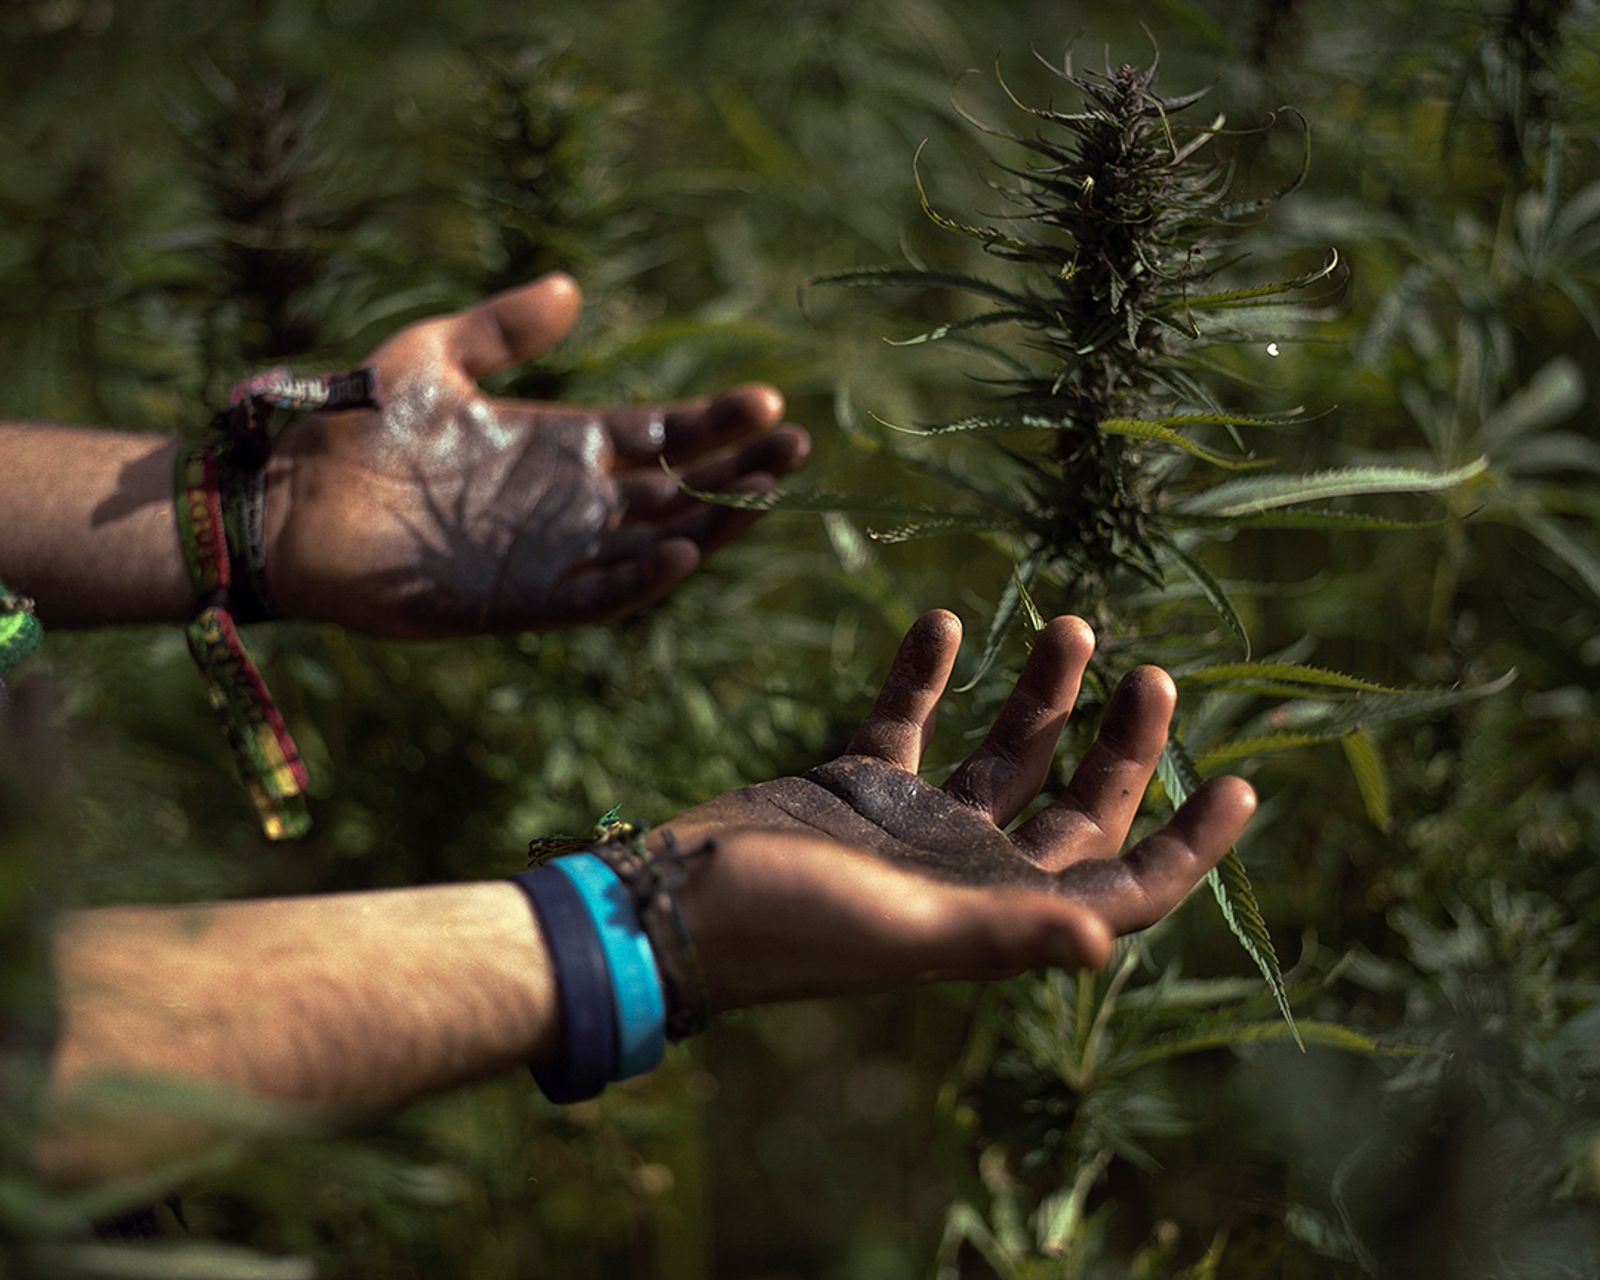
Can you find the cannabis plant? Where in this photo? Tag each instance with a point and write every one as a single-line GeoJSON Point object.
{"type": "Point", "coordinates": [1117, 243]}
{"type": "Point", "coordinates": [1111, 460]}
{"type": "Point", "coordinates": [1483, 297]}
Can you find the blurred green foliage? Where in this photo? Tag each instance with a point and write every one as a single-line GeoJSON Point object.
{"type": "Point", "coordinates": [187, 192]}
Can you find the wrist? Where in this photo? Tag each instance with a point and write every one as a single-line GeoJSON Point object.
{"type": "Point", "coordinates": [283, 550]}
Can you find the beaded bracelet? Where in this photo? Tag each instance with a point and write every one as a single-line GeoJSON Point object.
{"type": "Point", "coordinates": [221, 518]}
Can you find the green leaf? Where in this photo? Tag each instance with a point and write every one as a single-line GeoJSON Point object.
{"type": "Point", "coordinates": [1576, 554]}
{"type": "Point", "coordinates": [1235, 210]}
{"type": "Point", "coordinates": [988, 235]}
{"type": "Point", "coordinates": [1260, 744]}
{"type": "Point", "coordinates": [1137, 428]}
{"type": "Point", "coordinates": [1320, 1232]}
{"type": "Point", "coordinates": [1029, 609]}
{"type": "Point", "coordinates": [990, 424]}
{"type": "Point", "coordinates": [1554, 451]}
{"type": "Point", "coordinates": [938, 526]}
{"type": "Point", "coordinates": [1557, 500]}
{"type": "Point", "coordinates": [768, 151]}
{"type": "Point", "coordinates": [1230, 419]}
{"type": "Point", "coordinates": [1366, 710]}
{"type": "Point", "coordinates": [1003, 316]}
{"type": "Point", "coordinates": [1363, 711]}
{"type": "Point", "coordinates": [1005, 615]}
{"type": "Point", "coordinates": [919, 278]}
{"type": "Point", "coordinates": [1327, 1034]}
{"type": "Point", "coordinates": [1150, 429]}
{"type": "Point", "coordinates": [1351, 521]}
{"type": "Point", "coordinates": [1214, 593]}
{"type": "Point", "coordinates": [817, 501]}
{"type": "Point", "coordinates": [1252, 294]}
{"type": "Point", "coordinates": [1262, 493]}
{"type": "Point", "coordinates": [1230, 884]}
{"type": "Point", "coordinates": [1552, 395]}
{"type": "Point", "coordinates": [1228, 673]}
{"type": "Point", "coordinates": [989, 495]}
{"type": "Point", "coordinates": [1366, 763]}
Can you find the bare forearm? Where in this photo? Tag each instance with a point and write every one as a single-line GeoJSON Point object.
{"type": "Point", "coordinates": [341, 1006]}
{"type": "Point", "coordinates": [86, 525]}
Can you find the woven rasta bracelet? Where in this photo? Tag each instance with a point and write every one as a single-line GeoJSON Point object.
{"type": "Point", "coordinates": [221, 518]}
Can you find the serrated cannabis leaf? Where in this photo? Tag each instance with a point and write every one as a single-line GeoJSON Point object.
{"type": "Point", "coordinates": [987, 235]}
{"type": "Point", "coordinates": [1325, 1034]}
{"type": "Point", "coordinates": [1229, 673]}
{"type": "Point", "coordinates": [1362, 711]}
{"type": "Point", "coordinates": [1258, 294]}
{"type": "Point", "coordinates": [1005, 615]}
{"type": "Point", "coordinates": [1214, 594]}
{"type": "Point", "coordinates": [938, 526]}
{"type": "Point", "coordinates": [1353, 521]}
{"type": "Point", "coordinates": [1153, 430]}
{"type": "Point", "coordinates": [1007, 315]}
{"type": "Point", "coordinates": [816, 501]}
{"type": "Point", "coordinates": [1366, 763]}
{"type": "Point", "coordinates": [918, 278]}
{"type": "Point", "coordinates": [1230, 884]}
{"type": "Point", "coordinates": [1262, 493]}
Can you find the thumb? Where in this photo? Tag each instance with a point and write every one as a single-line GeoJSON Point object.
{"type": "Point", "coordinates": [514, 326]}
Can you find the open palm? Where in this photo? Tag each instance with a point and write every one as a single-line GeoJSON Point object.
{"type": "Point", "coordinates": [954, 839]}
{"type": "Point", "coordinates": [448, 511]}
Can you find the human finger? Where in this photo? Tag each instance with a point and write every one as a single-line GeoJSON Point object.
{"type": "Point", "coordinates": [513, 326]}
{"type": "Point", "coordinates": [1138, 889]}
{"type": "Point", "coordinates": [1092, 817]}
{"type": "Point", "coordinates": [597, 593]}
{"type": "Point", "coordinates": [686, 431]}
{"type": "Point", "coordinates": [1002, 775]}
{"type": "Point", "coordinates": [897, 728]}
{"type": "Point", "coordinates": [709, 525]}
{"type": "Point", "coordinates": [649, 493]}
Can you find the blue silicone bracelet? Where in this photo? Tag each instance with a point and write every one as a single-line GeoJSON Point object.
{"type": "Point", "coordinates": [635, 980]}
{"type": "Point", "coordinates": [588, 1057]}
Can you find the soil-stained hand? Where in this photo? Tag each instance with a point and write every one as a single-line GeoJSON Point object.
{"type": "Point", "coordinates": [948, 891]}
{"type": "Point", "coordinates": [450, 512]}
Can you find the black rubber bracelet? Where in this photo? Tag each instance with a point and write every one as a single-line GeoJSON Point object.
{"type": "Point", "coordinates": [588, 1056]}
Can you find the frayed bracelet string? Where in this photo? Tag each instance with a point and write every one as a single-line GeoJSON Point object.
{"type": "Point", "coordinates": [650, 879]}
{"type": "Point", "coordinates": [221, 518]}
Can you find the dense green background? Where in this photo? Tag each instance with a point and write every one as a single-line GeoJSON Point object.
{"type": "Point", "coordinates": [190, 190]}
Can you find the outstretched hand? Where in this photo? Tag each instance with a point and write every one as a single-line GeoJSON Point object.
{"type": "Point", "coordinates": [451, 512]}
{"type": "Point", "coordinates": [880, 878]}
